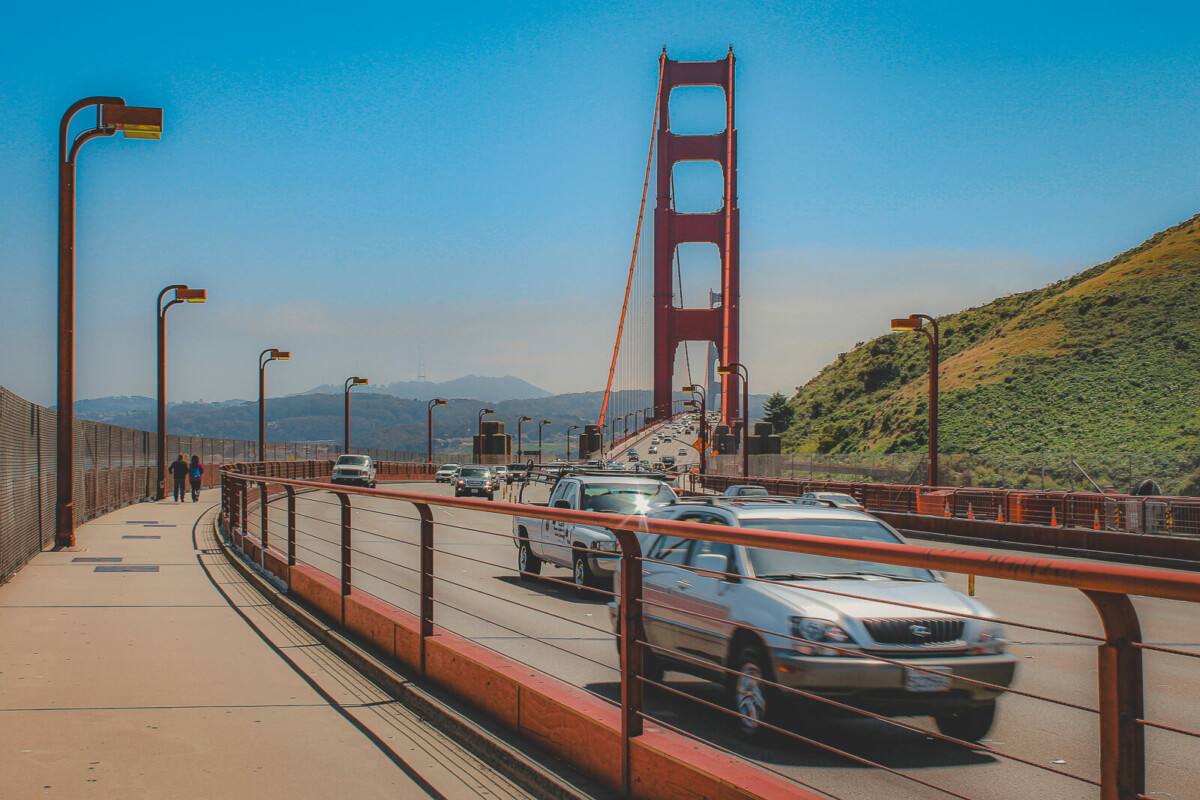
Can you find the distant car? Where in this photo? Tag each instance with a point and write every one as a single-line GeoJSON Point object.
{"type": "Point", "coordinates": [633, 454]}
{"type": "Point", "coordinates": [354, 470]}
{"type": "Point", "coordinates": [446, 473]}
{"type": "Point", "coordinates": [745, 490]}
{"type": "Point", "coordinates": [653, 450]}
{"type": "Point", "coordinates": [682, 451]}
{"type": "Point", "coordinates": [476, 479]}
{"type": "Point", "coordinates": [838, 499]}
{"type": "Point", "coordinates": [668, 461]}
{"type": "Point", "coordinates": [503, 474]}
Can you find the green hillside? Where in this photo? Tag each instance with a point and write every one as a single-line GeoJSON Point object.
{"type": "Point", "coordinates": [1104, 361]}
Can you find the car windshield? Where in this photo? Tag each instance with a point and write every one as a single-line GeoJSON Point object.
{"type": "Point", "coordinates": [448, 466]}
{"type": "Point", "coordinates": [751, 491]}
{"type": "Point", "coordinates": [625, 498]}
{"type": "Point", "coordinates": [837, 498]}
{"type": "Point", "coordinates": [474, 472]}
{"type": "Point", "coordinates": [353, 461]}
{"type": "Point", "coordinates": [785, 565]}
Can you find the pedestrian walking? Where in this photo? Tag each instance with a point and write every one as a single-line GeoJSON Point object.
{"type": "Point", "coordinates": [179, 472]}
{"type": "Point", "coordinates": [195, 473]}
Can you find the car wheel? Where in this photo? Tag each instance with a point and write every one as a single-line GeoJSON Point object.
{"type": "Point", "coordinates": [529, 565]}
{"type": "Point", "coordinates": [749, 695]}
{"type": "Point", "coordinates": [581, 572]}
{"type": "Point", "coordinates": [457, 493]}
{"type": "Point", "coordinates": [491, 495]}
{"type": "Point", "coordinates": [969, 724]}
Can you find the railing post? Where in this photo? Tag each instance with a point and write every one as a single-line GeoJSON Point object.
{"type": "Point", "coordinates": [243, 494]}
{"type": "Point", "coordinates": [1119, 673]}
{"type": "Point", "coordinates": [291, 524]}
{"type": "Point", "coordinates": [631, 651]}
{"type": "Point", "coordinates": [346, 548]}
{"type": "Point", "coordinates": [426, 576]}
{"type": "Point", "coordinates": [262, 509]}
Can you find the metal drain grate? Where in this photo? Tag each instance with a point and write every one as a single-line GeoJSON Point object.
{"type": "Point", "coordinates": [142, 536]}
{"type": "Point", "coordinates": [160, 525]}
{"type": "Point", "coordinates": [211, 551]}
{"type": "Point", "coordinates": [129, 568]}
{"type": "Point", "coordinates": [95, 560]}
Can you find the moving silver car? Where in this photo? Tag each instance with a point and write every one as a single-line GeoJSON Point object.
{"type": "Point", "coordinates": [819, 624]}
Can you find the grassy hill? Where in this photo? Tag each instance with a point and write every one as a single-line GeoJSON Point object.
{"type": "Point", "coordinates": [1104, 361]}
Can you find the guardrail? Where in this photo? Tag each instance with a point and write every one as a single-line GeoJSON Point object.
{"type": "Point", "coordinates": [1159, 515]}
{"type": "Point", "coordinates": [368, 563]}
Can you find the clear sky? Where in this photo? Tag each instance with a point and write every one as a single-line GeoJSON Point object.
{"type": "Point", "coordinates": [360, 181]}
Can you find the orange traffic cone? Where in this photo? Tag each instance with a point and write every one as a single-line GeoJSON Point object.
{"type": "Point", "coordinates": [1000, 513]}
{"type": "Point", "coordinates": [1053, 519]}
{"type": "Point", "coordinates": [970, 512]}
{"type": "Point", "coordinates": [1096, 520]}
{"type": "Point", "coordinates": [945, 508]}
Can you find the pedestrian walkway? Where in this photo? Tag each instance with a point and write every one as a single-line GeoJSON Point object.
{"type": "Point", "coordinates": [143, 665]}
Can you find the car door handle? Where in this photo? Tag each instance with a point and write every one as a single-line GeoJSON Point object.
{"type": "Point", "coordinates": [684, 583]}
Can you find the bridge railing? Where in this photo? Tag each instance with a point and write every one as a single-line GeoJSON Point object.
{"type": "Point", "coordinates": [432, 582]}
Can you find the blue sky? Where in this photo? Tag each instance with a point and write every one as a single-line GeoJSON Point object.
{"type": "Point", "coordinates": [359, 181]}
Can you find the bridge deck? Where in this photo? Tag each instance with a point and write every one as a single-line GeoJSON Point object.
{"type": "Point", "coordinates": [177, 679]}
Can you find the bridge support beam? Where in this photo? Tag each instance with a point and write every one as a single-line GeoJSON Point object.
{"type": "Point", "coordinates": [719, 324]}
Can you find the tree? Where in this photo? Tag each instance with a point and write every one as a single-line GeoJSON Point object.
{"type": "Point", "coordinates": [777, 412]}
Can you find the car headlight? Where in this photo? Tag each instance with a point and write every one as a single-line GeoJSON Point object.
{"type": "Point", "coordinates": [991, 640]}
{"type": "Point", "coordinates": [814, 631]}
{"type": "Point", "coordinates": [605, 547]}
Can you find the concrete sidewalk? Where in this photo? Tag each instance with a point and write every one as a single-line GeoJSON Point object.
{"type": "Point", "coordinates": [145, 666]}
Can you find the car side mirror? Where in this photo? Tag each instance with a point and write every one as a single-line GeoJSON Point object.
{"type": "Point", "coordinates": [562, 503]}
{"type": "Point", "coordinates": [714, 565]}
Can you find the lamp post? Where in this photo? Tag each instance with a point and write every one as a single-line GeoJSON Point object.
{"type": "Point", "coordinates": [482, 413]}
{"type": "Point", "coordinates": [572, 428]}
{"type": "Point", "coordinates": [271, 354]}
{"type": "Point", "coordinates": [697, 388]}
{"type": "Point", "coordinates": [350, 384]}
{"type": "Point", "coordinates": [112, 115]}
{"type": "Point", "coordinates": [540, 424]}
{"type": "Point", "coordinates": [625, 425]}
{"type": "Point", "coordinates": [437, 401]}
{"type": "Point", "coordinates": [520, 421]}
{"type": "Point", "coordinates": [740, 370]}
{"type": "Point", "coordinates": [913, 322]}
{"type": "Point", "coordinates": [183, 294]}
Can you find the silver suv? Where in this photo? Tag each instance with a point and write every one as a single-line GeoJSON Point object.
{"type": "Point", "coordinates": [352, 469]}
{"type": "Point", "coordinates": [816, 623]}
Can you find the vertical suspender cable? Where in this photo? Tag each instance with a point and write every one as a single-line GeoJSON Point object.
{"type": "Point", "coordinates": [636, 239]}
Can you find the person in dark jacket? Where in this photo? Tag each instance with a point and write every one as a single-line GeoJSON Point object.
{"type": "Point", "coordinates": [179, 471]}
{"type": "Point", "coordinates": [195, 473]}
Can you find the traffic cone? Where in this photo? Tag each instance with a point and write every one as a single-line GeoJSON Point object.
{"type": "Point", "coordinates": [1000, 513]}
{"type": "Point", "coordinates": [970, 512]}
{"type": "Point", "coordinates": [1170, 519]}
{"type": "Point", "coordinates": [1053, 519]}
{"type": "Point", "coordinates": [1096, 520]}
{"type": "Point", "coordinates": [945, 508]}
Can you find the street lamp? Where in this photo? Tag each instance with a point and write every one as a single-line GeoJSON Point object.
{"type": "Point", "coordinates": [740, 370]}
{"type": "Point", "coordinates": [183, 294]}
{"type": "Point", "coordinates": [437, 401]}
{"type": "Point", "coordinates": [572, 428]}
{"type": "Point", "coordinates": [350, 384]}
{"type": "Point", "coordinates": [913, 322]}
{"type": "Point", "coordinates": [540, 424]}
{"type": "Point", "coordinates": [272, 355]}
{"type": "Point", "coordinates": [520, 421]}
{"type": "Point", "coordinates": [697, 388]}
{"type": "Point", "coordinates": [482, 413]}
{"type": "Point", "coordinates": [112, 115]}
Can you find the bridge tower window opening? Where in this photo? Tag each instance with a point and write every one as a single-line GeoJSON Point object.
{"type": "Point", "coordinates": [697, 110]}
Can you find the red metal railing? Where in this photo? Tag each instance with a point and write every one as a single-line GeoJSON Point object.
{"type": "Point", "coordinates": [363, 534]}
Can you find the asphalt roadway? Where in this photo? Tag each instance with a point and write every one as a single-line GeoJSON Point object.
{"type": "Point", "coordinates": [545, 625]}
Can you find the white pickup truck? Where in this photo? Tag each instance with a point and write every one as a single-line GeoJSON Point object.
{"type": "Point", "coordinates": [588, 551]}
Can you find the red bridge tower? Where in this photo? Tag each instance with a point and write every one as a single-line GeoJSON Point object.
{"type": "Point", "coordinates": [672, 325]}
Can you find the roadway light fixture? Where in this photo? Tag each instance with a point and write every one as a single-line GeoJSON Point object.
{"type": "Point", "coordinates": [520, 421]}
{"type": "Point", "coordinates": [572, 428]}
{"type": "Point", "coordinates": [695, 389]}
{"type": "Point", "coordinates": [134, 122]}
{"type": "Point", "coordinates": [914, 322]}
{"type": "Point", "coordinates": [540, 424]}
{"type": "Point", "coordinates": [740, 370]}
{"type": "Point", "coordinates": [437, 401]}
{"type": "Point", "coordinates": [270, 354]}
{"type": "Point", "coordinates": [483, 412]}
{"type": "Point", "coordinates": [183, 294]}
{"type": "Point", "coordinates": [350, 384]}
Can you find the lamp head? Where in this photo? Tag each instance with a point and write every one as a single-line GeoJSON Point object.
{"type": "Point", "coordinates": [547, 422]}
{"type": "Point", "coordinates": [525, 419]}
{"type": "Point", "coordinates": [726, 370]}
{"type": "Point", "coordinates": [187, 295]}
{"type": "Point", "coordinates": [281, 355]}
{"type": "Point", "coordinates": [360, 381]}
{"type": "Point", "coordinates": [489, 411]}
{"type": "Point", "coordinates": [439, 402]}
{"type": "Point", "coordinates": [906, 324]}
{"type": "Point", "coordinates": [134, 122]}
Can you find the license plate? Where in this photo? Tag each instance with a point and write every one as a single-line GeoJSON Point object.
{"type": "Point", "coordinates": [918, 681]}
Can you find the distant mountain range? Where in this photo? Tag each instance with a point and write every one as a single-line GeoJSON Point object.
{"type": "Point", "coordinates": [479, 387]}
